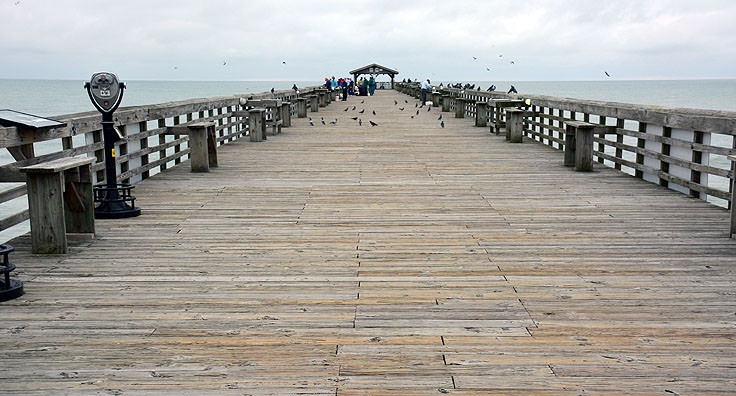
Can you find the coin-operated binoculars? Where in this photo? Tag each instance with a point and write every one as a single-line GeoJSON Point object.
{"type": "Point", "coordinates": [115, 200]}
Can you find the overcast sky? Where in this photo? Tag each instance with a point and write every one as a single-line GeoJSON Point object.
{"type": "Point", "coordinates": [546, 40]}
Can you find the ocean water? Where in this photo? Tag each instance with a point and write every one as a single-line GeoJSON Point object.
{"type": "Point", "coordinates": [51, 98]}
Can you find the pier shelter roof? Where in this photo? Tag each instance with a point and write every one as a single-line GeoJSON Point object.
{"type": "Point", "coordinates": [374, 68]}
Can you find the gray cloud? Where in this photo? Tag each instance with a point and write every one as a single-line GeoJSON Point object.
{"type": "Point", "coordinates": [548, 40]}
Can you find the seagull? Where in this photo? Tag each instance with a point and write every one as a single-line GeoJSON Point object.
{"type": "Point", "coordinates": [372, 123]}
{"type": "Point", "coordinates": [442, 124]}
{"type": "Point", "coordinates": [272, 90]}
{"type": "Point", "coordinates": [323, 120]}
{"type": "Point", "coordinates": [354, 118]}
{"type": "Point", "coordinates": [479, 88]}
{"type": "Point", "coordinates": [417, 112]}
{"type": "Point", "coordinates": [346, 109]}
{"type": "Point", "coordinates": [224, 62]}
{"type": "Point", "coordinates": [311, 122]}
{"type": "Point", "coordinates": [362, 111]}
{"type": "Point", "coordinates": [360, 122]}
{"type": "Point", "coordinates": [439, 118]}
{"type": "Point", "coordinates": [512, 90]}
{"type": "Point", "coordinates": [283, 62]}
{"type": "Point", "coordinates": [512, 62]}
{"type": "Point", "coordinates": [395, 102]}
{"type": "Point", "coordinates": [294, 87]}
{"type": "Point", "coordinates": [362, 101]}
{"type": "Point", "coordinates": [488, 69]}
{"type": "Point", "coordinates": [334, 122]}
{"type": "Point", "coordinates": [416, 105]}
{"type": "Point", "coordinates": [406, 101]}
{"type": "Point", "coordinates": [374, 112]}
{"type": "Point", "coordinates": [176, 67]}
{"type": "Point", "coordinates": [607, 75]}
{"type": "Point", "coordinates": [474, 58]}
{"type": "Point", "coordinates": [440, 85]}
{"type": "Point", "coordinates": [500, 55]}
{"type": "Point", "coordinates": [353, 108]}
{"type": "Point", "coordinates": [412, 116]}
{"type": "Point", "coordinates": [401, 108]}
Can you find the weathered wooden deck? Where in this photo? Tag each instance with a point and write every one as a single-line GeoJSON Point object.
{"type": "Point", "coordinates": [398, 259]}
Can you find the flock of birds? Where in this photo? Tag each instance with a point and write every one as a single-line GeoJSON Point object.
{"type": "Point", "coordinates": [416, 113]}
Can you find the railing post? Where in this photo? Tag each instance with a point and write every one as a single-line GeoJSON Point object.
{"type": "Point", "coordinates": [286, 114]}
{"type": "Point", "coordinates": [257, 125]}
{"type": "Point", "coordinates": [583, 145]}
{"type": "Point", "coordinates": [198, 147]}
{"type": "Point", "coordinates": [435, 99]}
{"type": "Point", "coordinates": [733, 196]}
{"type": "Point", "coordinates": [301, 107]}
{"type": "Point", "coordinates": [514, 124]}
{"type": "Point", "coordinates": [446, 103]}
{"type": "Point", "coordinates": [313, 103]}
{"type": "Point", "coordinates": [569, 145]}
{"type": "Point", "coordinates": [481, 114]}
{"type": "Point", "coordinates": [459, 107]}
{"type": "Point", "coordinates": [323, 98]}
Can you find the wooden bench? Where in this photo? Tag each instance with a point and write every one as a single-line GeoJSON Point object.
{"type": "Point", "coordinates": [60, 201]}
{"type": "Point", "coordinates": [497, 107]}
{"type": "Point", "coordinates": [202, 143]}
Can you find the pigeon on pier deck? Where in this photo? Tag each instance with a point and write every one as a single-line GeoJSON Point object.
{"type": "Point", "coordinates": [311, 122]}
{"type": "Point", "coordinates": [353, 118]}
{"type": "Point", "coordinates": [323, 121]}
{"type": "Point", "coordinates": [442, 124]}
{"type": "Point", "coordinates": [374, 112]}
{"type": "Point", "coordinates": [439, 118]}
{"type": "Point", "coordinates": [360, 122]}
{"type": "Point", "coordinates": [372, 123]}
{"type": "Point", "coordinates": [346, 109]}
{"type": "Point", "coordinates": [362, 111]}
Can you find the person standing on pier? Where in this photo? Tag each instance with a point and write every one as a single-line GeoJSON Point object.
{"type": "Point", "coordinates": [425, 87]}
{"type": "Point", "coordinates": [344, 88]}
{"type": "Point", "coordinates": [372, 85]}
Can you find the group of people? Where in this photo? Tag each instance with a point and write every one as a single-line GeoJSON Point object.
{"type": "Point", "coordinates": [346, 86]}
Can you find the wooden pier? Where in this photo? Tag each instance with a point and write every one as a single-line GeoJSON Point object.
{"type": "Point", "coordinates": [401, 259]}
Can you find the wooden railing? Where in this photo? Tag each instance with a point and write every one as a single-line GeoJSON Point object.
{"type": "Point", "coordinates": [145, 150]}
{"type": "Point", "coordinates": [679, 148]}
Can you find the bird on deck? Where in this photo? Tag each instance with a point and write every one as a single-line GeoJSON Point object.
{"type": "Point", "coordinates": [401, 108]}
{"type": "Point", "coordinates": [416, 105]}
{"type": "Point", "coordinates": [353, 109]}
{"type": "Point", "coordinates": [362, 111]}
{"type": "Point", "coordinates": [439, 118]}
{"type": "Point", "coordinates": [429, 108]}
{"type": "Point", "coordinates": [372, 123]}
{"type": "Point", "coordinates": [311, 122]}
{"type": "Point", "coordinates": [417, 112]}
{"type": "Point", "coordinates": [512, 90]}
{"type": "Point", "coordinates": [374, 112]}
{"type": "Point", "coordinates": [334, 122]}
{"type": "Point", "coordinates": [273, 90]}
{"type": "Point", "coordinates": [441, 85]}
{"type": "Point", "coordinates": [346, 109]}
{"type": "Point", "coordinates": [412, 117]}
{"type": "Point", "coordinates": [395, 102]}
{"type": "Point", "coordinates": [491, 88]}
{"type": "Point", "coordinates": [360, 122]}
{"type": "Point", "coordinates": [294, 87]}
{"type": "Point", "coordinates": [353, 118]}
{"type": "Point", "coordinates": [406, 101]}
{"type": "Point", "coordinates": [442, 124]}
{"type": "Point", "coordinates": [323, 120]}
{"type": "Point", "coordinates": [362, 101]}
